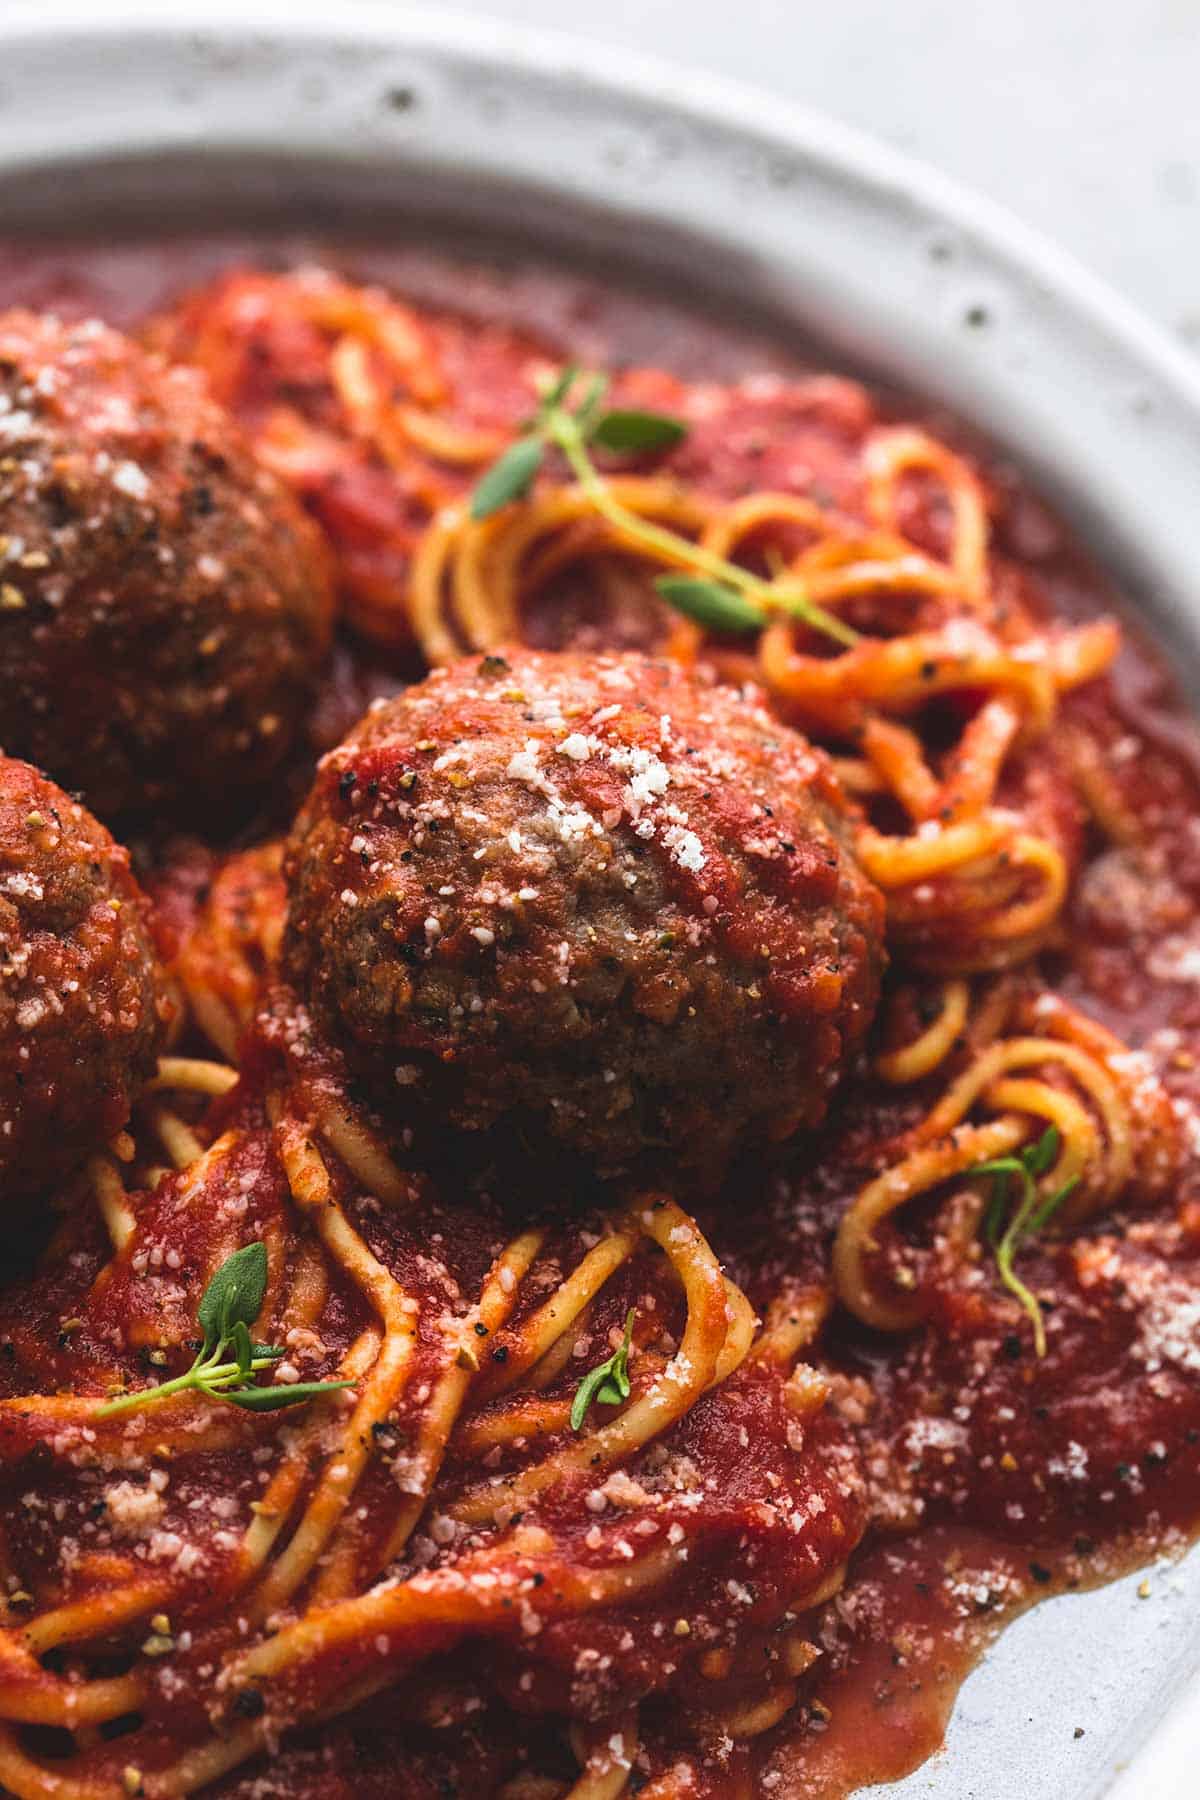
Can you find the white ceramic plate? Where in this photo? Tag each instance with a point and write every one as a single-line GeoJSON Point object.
{"type": "Point", "coordinates": [240, 109]}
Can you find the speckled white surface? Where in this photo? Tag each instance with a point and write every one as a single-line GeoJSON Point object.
{"type": "Point", "coordinates": [883, 261]}
{"type": "Point", "coordinates": [1081, 116]}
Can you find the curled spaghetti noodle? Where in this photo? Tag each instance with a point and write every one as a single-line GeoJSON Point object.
{"type": "Point", "coordinates": [327, 1525]}
{"type": "Point", "coordinates": [974, 844]}
{"type": "Point", "coordinates": [1113, 1123]}
{"type": "Point", "coordinates": [977, 877]}
{"type": "Point", "coordinates": [231, 1575]}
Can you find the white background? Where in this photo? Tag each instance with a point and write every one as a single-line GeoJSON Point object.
{"type": "Point", "coordinates": [1083, 116]}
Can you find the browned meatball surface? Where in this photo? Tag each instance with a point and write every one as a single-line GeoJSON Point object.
{"type": "Point", "coordinates": [591, 891]}
{"type": "Point", "coordinates": [164, 604]}
{"type": "Point", "coordinates": [80, 1008]}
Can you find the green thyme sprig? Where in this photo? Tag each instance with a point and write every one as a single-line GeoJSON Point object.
{"type": "Point", "coordinates": [1015, 1216]}
{"type": "Point", "coordinates": [228, 1360]}
{"type": "Point", "coordinates": [716, 593]}
{"type": "Point", "coordinates": [608, 1382]}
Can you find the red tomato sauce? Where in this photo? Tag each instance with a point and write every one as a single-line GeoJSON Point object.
{"type": "Point", "coordinates": [992, 1477]}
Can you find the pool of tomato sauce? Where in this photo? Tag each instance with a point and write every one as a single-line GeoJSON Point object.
{"type": "Point", "coordinates": [995, 1478]}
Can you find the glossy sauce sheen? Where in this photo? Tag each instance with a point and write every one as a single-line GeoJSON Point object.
{"type": "Point", "coordinates": [993, 1477]}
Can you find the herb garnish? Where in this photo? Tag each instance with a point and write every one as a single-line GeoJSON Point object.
{"type": "Point", "coordinates": [608, 1383]}
{"type": "Point", "coordinates": [716, 593]}
{"type": "Point", "coordinates": [1025, 1219]}
{"type": "Point", "coordinates": [228, 1359]}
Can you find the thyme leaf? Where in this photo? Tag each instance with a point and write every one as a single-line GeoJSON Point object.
{"type": "Point", "coordinates": [228, 1360]}
{"type": "Point", "coordinates": [710, 603]}
{"type": "Point", "coordinates": [628, 433]}
{"type": "Point", "coordinates": [608, 1382]}
{"type": "Point", "coordinates": [510, 478]}
{"type": "Point", "coordinates": [708, 588]}
{"type": "Point", "coordinates": [234, 1295]}
{"type": "Point", "coordinates": [271, 1399]}
{"type": "Point", "coordinates": [1016, 1214]}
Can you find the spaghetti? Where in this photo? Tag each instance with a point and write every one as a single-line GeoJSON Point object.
{"type": "Point", "coordinates": [981, 892]}
{"type": "Point", "coordinates": [444, 1399]}
{"type": "Point", "coordinates": [744, 1571]}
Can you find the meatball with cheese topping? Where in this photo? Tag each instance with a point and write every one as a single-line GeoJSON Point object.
{"type": "Point", "coordinates": [81, 1006]}
{"type": "Point", "coordinates": [590, 893]}
{"type": "Point", "coordinates": [164, 603]}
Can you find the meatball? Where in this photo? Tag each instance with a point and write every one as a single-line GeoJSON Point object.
{"type": "Point", "coordinates": [164, 603]}
{"type": "Point", "coordinates": [81, 1009]}
{"type": "Point", "coordinates": [591, 893]}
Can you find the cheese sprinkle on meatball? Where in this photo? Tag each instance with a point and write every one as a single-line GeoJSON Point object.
{"type": "Point", "coordinates": [81, 1007]}
{"type": "Point", "coordinates": [164, 603]}
{"type": "Point", "coordinates": [592, 894]}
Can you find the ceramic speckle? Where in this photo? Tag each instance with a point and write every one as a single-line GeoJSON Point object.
{"type": "Point", "coordinates": [258, 109]}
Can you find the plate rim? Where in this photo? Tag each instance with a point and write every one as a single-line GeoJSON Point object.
{"type": "Point", "coordinates": [734, 105]}
{"type": "Point", "coordinates": [715, 104]}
